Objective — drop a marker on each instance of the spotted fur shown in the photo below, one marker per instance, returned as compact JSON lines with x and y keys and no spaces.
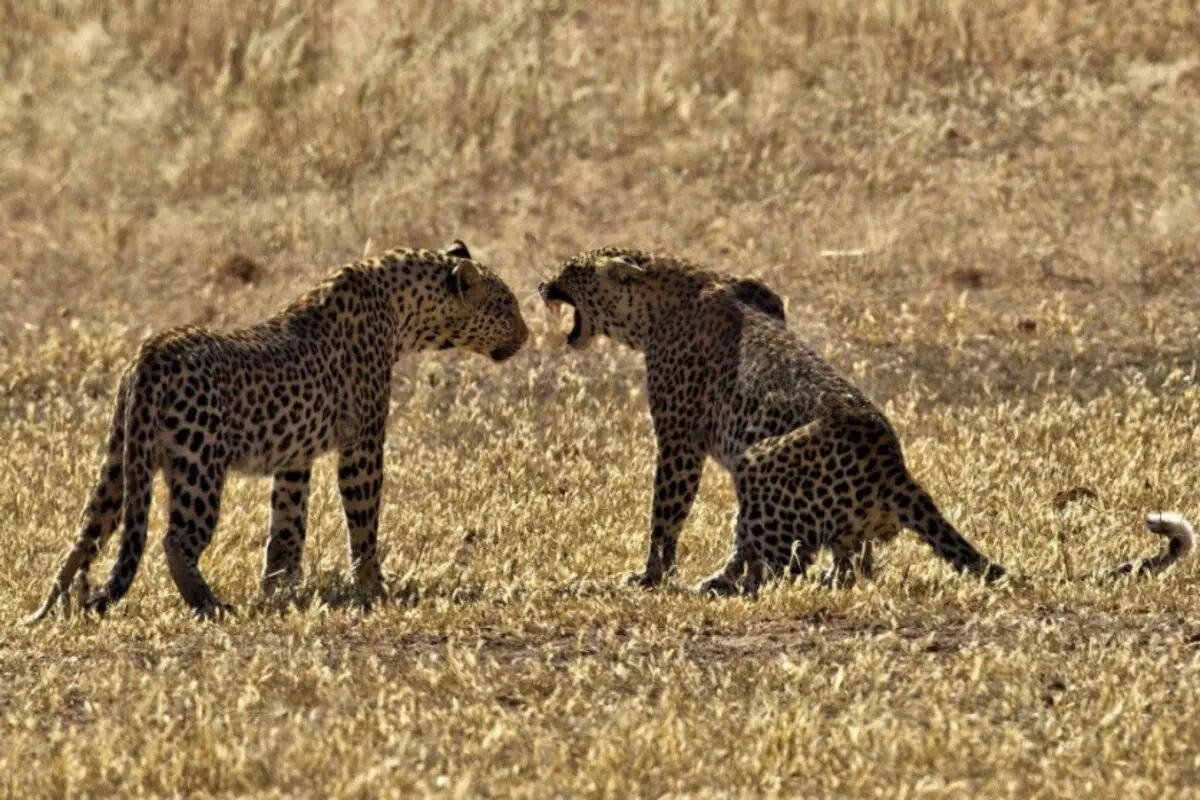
{"x":814,"y":463}
{"x":267,"y":400}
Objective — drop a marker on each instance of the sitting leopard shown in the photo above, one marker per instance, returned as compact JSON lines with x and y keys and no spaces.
{"x":815,"y":464}
{"x":268,"y":399}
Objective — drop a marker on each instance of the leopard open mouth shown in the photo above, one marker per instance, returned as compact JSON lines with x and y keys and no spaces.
{"x":505,"y":352}
{"x":554,"y":298}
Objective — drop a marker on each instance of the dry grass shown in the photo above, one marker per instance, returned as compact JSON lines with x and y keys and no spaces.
{"x":1021,"y":177}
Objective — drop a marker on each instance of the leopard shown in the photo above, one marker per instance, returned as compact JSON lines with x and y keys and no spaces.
{"x":198,"y":404}
{"x":815,"y":464}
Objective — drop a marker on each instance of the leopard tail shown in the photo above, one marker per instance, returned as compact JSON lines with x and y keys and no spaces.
{"x":919,"y":513}
{"x":99,"y":517}
{"x":141,"y":422}
{"x":1181,"y":541}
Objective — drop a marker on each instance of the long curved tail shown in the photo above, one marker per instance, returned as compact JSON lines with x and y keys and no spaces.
{"x":141,"y":424}
{"x":915,"y":510}
{"x":1181,"y":540}
{"x":100,"y":517}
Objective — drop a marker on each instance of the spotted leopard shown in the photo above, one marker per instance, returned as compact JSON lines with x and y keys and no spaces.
{"x":814,"y":462}
{"x":267,"y":400}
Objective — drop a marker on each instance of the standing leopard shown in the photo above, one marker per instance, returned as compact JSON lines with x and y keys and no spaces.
{"x":814,"y":463}
{"x":267,"y":400}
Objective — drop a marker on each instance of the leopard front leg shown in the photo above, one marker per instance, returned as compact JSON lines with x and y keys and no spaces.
{"x":676,"y":481}
{"x":285,"y":541}
{"x":852,"y":556}
{"x":360,"y":479}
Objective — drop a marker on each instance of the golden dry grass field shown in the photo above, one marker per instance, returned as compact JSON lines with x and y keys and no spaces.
{"x":1021,"y":180}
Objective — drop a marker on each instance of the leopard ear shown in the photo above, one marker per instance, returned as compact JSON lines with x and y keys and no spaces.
{"x":622,"y":269}
{"x":462,"y":277}
{"x":457,"y":249}
{"x":755,"y":293}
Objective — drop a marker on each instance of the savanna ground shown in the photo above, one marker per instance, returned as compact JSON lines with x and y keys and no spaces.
{"x":1017,"y":181}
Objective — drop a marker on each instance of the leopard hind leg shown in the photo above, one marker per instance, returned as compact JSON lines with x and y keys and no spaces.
{"x":853,"y":558}
{"x":780,"y":524}
{"x":196,"y":481}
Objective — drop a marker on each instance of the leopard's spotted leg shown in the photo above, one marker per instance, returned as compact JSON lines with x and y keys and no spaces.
{"x":360,"y":479}
{"x":854,"y":551}
{"x":852,"y":557}
{"x":787,"y":509}
{"x":748,"y":565}
{"x":676,"y":481}
{"x":195,"y":485}
{"x":775,"y":530}
{"x":285,"y":542}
